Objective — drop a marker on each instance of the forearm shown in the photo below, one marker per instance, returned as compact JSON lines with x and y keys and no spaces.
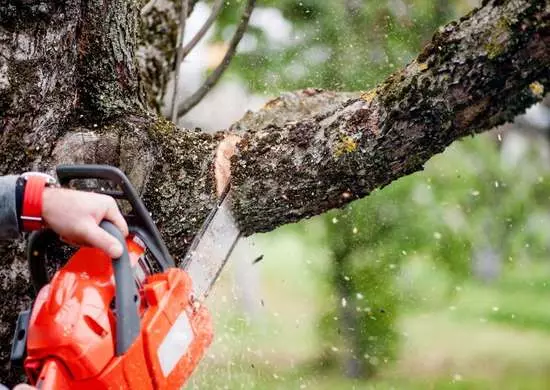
{"x":9,"y":228}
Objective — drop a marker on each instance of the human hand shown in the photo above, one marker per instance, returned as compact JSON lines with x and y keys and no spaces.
{"x":75,"y":216}
{"x":24,"y":387}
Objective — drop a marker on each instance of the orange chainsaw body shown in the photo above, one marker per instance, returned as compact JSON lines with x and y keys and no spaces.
{"x":72,"y":334}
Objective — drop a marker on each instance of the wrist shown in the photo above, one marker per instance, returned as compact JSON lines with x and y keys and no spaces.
{"x":31,"y":197}
{"x":48,"y":202}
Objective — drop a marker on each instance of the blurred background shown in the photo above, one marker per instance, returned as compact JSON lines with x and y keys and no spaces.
{"x":440,"y":280}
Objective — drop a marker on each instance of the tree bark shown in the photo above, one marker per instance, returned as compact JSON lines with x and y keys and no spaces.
{"x":72,"y":90}
{"x":156,"y":53}
{"x":473,"y":76}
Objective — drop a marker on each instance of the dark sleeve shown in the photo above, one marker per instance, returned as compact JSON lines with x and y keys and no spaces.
{"x":9,"y":228}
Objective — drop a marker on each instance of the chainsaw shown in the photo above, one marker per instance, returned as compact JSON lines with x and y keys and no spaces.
{"x":137,"y":322}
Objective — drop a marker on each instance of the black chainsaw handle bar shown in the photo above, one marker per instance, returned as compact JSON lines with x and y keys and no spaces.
{"x":126,"y":294}
{"x":140,"y":216}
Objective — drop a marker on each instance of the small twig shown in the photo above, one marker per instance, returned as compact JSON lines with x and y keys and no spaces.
{"x":200,"y":34}
{"x":214,"y":77}
{"x":179,"y":57}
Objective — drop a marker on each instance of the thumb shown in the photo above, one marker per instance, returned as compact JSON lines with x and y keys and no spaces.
{"x":24,"y":387}
{"x":99,"y":238}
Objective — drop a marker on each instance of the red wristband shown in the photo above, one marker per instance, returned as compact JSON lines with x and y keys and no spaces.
{"x":31,"y":212}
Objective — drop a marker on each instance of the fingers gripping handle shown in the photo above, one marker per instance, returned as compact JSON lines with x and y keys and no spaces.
{"x":127,"y":323}
{"x":66,"y":173}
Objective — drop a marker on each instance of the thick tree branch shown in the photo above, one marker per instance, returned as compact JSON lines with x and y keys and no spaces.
{"x":307,"y":152}
{"x":474,"y":75}
{"x":214,"y":77}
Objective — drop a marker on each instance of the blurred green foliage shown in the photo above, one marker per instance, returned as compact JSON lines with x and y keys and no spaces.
{"x":468,"y":204}
{"x":341,"y":44}
{"x":467,"y":199}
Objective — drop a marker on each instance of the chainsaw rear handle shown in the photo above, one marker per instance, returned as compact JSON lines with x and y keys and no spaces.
{"x":67,"y":173}
{"x":37,"y":245}
{"x":126,"y":295}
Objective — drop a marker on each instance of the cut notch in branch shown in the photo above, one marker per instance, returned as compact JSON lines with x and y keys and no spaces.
{"x":214,"y":77}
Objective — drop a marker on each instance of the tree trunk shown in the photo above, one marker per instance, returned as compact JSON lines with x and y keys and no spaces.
{"x":73,"y":90}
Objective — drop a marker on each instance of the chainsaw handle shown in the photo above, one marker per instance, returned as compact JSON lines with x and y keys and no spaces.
{"x":67,"y":173}
{"x":126,"y":295}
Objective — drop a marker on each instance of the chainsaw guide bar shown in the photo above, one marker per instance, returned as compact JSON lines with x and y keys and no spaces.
{"x":211,"y":247}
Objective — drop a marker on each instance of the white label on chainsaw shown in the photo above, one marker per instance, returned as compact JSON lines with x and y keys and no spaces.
{"x":175,"y":344}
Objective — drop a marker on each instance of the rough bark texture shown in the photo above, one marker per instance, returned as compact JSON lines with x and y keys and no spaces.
{"x":474,"y":75}
{"x":70,"y":92}
{"x":156,"y":54}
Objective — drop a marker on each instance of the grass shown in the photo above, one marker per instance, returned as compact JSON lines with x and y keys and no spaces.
{"x":466,"y":336}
